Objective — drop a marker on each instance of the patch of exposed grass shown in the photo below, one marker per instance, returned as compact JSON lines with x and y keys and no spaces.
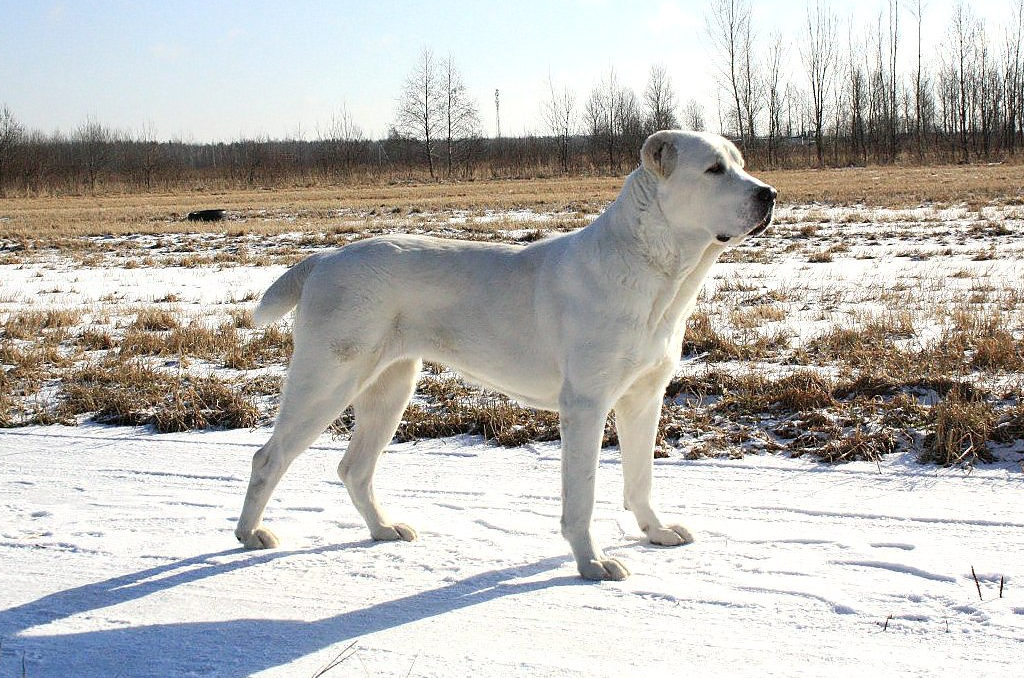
{"x":132,"y":393}
{"x":271,"y":345}
{"x":960,"y":431}
{"x":703,"y":339}
{"x":28,"y":325}
{"x":155,"y":320}
{"x":499,"y":420}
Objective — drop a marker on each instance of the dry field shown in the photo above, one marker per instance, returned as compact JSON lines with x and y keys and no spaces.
{"x":882,"y":313}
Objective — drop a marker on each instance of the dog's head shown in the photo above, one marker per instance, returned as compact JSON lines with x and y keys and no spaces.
{"x":702,"y":187}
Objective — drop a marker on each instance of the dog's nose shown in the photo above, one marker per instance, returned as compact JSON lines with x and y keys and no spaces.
{"x":766,"y":194}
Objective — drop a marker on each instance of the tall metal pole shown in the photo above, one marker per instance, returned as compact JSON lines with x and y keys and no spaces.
{"x":497,"y":116}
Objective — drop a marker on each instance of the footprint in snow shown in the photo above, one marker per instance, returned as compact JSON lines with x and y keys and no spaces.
{"x":893,"y":545}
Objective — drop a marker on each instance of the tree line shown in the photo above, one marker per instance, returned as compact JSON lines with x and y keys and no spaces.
{"x":829,"y":93}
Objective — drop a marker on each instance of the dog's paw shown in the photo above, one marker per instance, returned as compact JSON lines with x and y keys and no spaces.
{"x":394,"y":533}
{"x":260,"y":538}
{"x":603,"y":569}
{"x":669,"y":535}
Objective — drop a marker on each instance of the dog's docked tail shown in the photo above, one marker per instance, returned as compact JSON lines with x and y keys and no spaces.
{"x":283,"y":295}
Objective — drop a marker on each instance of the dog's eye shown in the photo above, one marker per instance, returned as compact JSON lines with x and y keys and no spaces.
{"x":717,"y":168}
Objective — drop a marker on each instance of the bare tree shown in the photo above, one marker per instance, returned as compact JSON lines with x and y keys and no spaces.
{"x":11,"y":133}
{"x":459,"y":116}
{"x":600,"y":114}
{"x":95,"y":149}
{"x":917,"y":9}
{"x":693,"y":116}
{"x":962,"y":33}
{"x":341,"y":143}
{"x":774,"y":94}
{"x":251,"y":156}
{"x":144,"y":155}
{"x":660,"y":101}
{"x":727,"y":24}
{"x":819,"y":59}
{"x":1014,"y":78}
{"x":857,"y":95}
{"x":752,"y":92}
{"x":629,"y":120}
{"x":893,"y":40}
{"x":560,"y":115}
{"x":419,"y":107}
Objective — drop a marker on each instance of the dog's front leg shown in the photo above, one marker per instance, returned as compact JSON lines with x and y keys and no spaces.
{"x":636,"y":421}
{"x":582,"y":427}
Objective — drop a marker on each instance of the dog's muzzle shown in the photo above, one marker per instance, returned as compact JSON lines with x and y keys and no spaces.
{"x":766,"y":198}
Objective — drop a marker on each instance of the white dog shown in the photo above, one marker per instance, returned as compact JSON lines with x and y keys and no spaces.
{"x":580,"y":324}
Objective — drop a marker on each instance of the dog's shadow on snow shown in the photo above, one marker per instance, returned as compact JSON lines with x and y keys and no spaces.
{"x":238,"y":647}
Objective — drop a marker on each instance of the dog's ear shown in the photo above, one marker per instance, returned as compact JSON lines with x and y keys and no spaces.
{"x":659,"y":154}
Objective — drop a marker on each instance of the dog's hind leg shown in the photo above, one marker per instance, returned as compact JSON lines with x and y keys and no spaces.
{"x":313,"y":397}
{"x":378,"y":410}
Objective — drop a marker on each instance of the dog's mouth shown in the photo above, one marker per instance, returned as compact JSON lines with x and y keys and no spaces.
{"x":759,"y":227}
{"x":763,"y":224}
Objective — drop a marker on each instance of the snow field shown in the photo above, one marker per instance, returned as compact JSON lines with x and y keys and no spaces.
{"x":119,"y":560}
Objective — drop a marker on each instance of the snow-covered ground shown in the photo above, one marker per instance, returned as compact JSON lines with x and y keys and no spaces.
{"x":118,"y":560}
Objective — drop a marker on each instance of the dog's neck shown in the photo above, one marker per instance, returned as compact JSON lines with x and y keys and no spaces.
{"x":643,"y":237}
{"x":640,"y":221}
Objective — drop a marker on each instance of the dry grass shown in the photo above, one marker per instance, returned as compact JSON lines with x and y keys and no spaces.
{"x":30,"y":324}
{"x":52,"y":220}
{"x":119,"y":379}
{"x":155,"y":320}
{"x":132,"y":393}
{"x":34,"y":220}
{"x":495,"y":419}
{"x":704,"y":339}
{"x":960,"y":431}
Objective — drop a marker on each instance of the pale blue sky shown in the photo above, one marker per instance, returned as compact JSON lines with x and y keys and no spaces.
{"x":218,"y":70}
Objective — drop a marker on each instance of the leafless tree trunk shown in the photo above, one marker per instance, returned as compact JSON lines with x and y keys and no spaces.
{"x":148,"y":155}
{"x":918,"y":11}
{"x":11,"y":133}
{"x":776,"y":58}
{"x":893,"y":109}
{"x":630,"y":122}
{"x":660,"y":101}
{"x":95,"y":144}
{"x":419,"y":108}
{"x":857,"y":87}
{"x":459,"y":114}
{"x":1013,"y":76}
{"x":819,"y":59}
{"x":607,"y":116}
{"x":961,"y":34}
{"x":560,"y":114}
{"x":753,"y":94}
{"x":693,"y":116}
{"x":727,"y":25}
{"x":340,"y":143}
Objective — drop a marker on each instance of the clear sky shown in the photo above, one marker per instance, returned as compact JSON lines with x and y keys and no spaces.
{"x":219,"y":70}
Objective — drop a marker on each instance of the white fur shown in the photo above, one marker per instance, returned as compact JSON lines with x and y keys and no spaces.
{"x":580,"y":324}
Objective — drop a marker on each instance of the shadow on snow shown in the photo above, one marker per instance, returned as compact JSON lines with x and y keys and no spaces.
{"x":237,"y":647}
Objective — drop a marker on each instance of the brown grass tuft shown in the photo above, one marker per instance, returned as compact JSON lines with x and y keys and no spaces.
{"x":132,"y":393}
{"x":960,"y":430}
{"x":499,"y":420}
{"x":858,"y":445}
{"x":30,"y":324}
{"x":155,"y":320}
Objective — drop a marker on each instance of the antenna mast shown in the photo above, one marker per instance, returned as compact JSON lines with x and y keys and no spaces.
{"x":497,"y":115}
